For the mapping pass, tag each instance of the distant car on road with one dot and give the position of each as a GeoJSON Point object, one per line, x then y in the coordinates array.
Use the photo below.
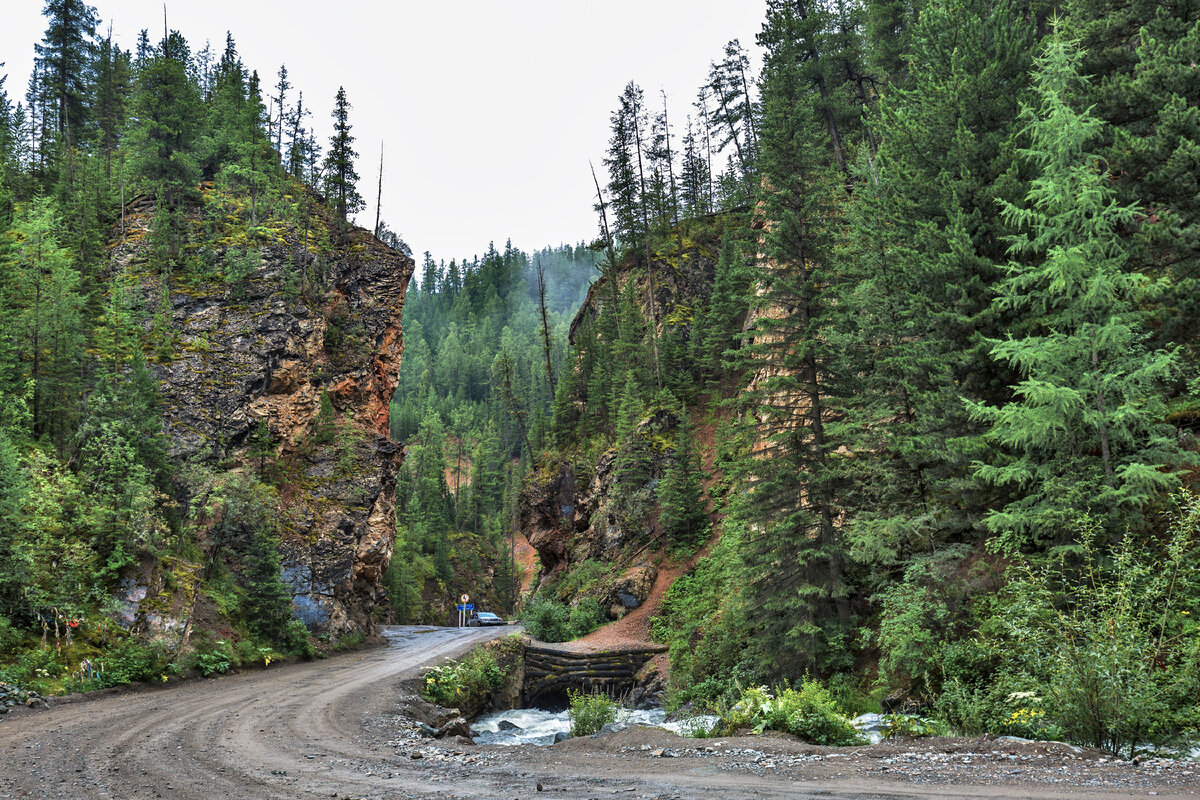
{"type": "Point", "coordinates": [479, 619]}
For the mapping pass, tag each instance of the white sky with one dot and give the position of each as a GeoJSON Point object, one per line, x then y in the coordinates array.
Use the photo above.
{"type": "Point", "coordinates": [489, 109]}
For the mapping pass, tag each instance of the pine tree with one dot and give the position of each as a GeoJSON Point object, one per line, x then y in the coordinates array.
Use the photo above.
{"type": "Point", "coordinates": [113, 87]}
{"type": "Point", "coordinates": [1142, 57]}
{"type": "Point", "coordinates": [733, 111]}
{"type": "Point", "coordinates": [65, 58]}
{"type": "Point", "coordinates": [1084, 430]}
{"type": "Point", "coordinates": [267, 604]}
{"type": "Point", "coordinates": [680, 493]}
{"type": "Point", "coordinates": [167, 107]}
{"type": "Point", "coordinates": [795, 562]}
{"type": "Point", "coordinates": [341, 179]}
{"type": "Point", "coordinates": [623, 186]}
{"type": "Point", "coordinates": [630, 494]}
{"type": "Point", "coordinates": [915, 306]}
{"type": "Point", "coordinates": [280, 101]}
{"type": "Point", "coordinates": [49, 325]}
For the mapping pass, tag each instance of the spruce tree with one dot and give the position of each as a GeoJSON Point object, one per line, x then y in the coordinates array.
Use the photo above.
{"type": "Point", "coordinates": [680, 493]}
{"type": "Point", "coordinates": [49, 325]}
{"type": "Point", "coordinates": [1084, 430]}
{"type": "Point", "coordinates": [167, 107]}
{"type": "Point", "coordinates": [267, 604]}
{"type": "Point", "coordinates": [341, 179]}
{"type": "Point", "coordinates": [795, 563]}
{"type": "Point", "coordinates": [915, 306]}
{"type": "Point", "coordinates": [630, 496]}
{"type": "Point", "coordinates": [65, 57]}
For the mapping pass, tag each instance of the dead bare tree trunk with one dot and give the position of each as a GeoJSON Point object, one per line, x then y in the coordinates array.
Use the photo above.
{"type": "Point", "coordinates": [379, 195]}
{"type": "Point", "coordinates": [541, 278]}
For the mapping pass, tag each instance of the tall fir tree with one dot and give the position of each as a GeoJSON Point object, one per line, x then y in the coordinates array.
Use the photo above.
{"type": "Point", "coordinates": [66, 60]}
{"type": "Point", "coordinates": [1084, 430]}
{"type": "Point", "coordinates": [341, 179]}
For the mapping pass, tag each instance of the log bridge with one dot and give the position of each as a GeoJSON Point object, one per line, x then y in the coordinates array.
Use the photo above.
{"type": "Point", "coordinates": [550, 671]}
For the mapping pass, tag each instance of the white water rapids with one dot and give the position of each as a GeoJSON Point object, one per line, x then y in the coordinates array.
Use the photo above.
{"type": "Point", "coordinates": [535, 726]}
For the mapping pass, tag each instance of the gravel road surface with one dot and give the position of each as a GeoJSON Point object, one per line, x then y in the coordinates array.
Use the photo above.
{"type": "Point", "coordinates": [331, 729]}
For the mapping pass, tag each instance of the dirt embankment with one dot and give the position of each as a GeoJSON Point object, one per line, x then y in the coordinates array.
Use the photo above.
{"type": "Point", "coordinates": [333, 728]}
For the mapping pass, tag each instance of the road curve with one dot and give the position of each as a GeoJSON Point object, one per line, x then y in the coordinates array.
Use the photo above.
{"type": "Point", "coordinates": [325, 729]}
{"type": "Point", "coordinates": [268, 734]}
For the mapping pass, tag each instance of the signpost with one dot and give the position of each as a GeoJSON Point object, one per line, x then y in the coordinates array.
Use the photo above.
{"type": "Point", "coordinates": [464, 605]}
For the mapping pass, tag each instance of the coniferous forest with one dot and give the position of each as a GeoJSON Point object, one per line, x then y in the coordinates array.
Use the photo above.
{"type": "Point", "coordinates": [896, 339]}
{"type": "Point", "coordinates": [886, 349]}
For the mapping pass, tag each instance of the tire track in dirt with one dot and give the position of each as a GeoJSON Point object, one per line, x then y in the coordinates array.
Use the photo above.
{"type": "Point", "coordinates": [299, 732]}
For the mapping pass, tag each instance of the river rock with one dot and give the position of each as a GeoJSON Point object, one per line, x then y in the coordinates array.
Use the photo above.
{"type": "Point", "coordinates": [455, 727]}
{"type": "Point", "coordinates": [505, 725]}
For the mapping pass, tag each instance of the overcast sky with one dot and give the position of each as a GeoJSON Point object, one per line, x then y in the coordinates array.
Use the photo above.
{"type": "Point", "coordinates": [489, 109]}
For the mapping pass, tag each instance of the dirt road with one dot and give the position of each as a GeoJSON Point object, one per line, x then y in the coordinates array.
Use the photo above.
{"type": "Point", "coordinates": [329, 729]}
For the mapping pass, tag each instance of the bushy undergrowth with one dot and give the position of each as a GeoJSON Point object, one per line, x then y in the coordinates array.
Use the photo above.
{"type": "Point", "coordinates": [586, 615]}
{"type": "Point", "coordinates": [552, 621]}
{"type": "Point", "coordinates": [463, 682]}
{"type": "Point", "coordinates": [590, 712]}
{"type": "Point", "coordinates": [808, 712]}
{"type": "Point", "coordinates": [547, 620]}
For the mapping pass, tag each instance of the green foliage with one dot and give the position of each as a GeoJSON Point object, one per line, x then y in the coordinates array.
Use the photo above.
{"type": "Point", "coordinates": [681, 496]}
{"type": "Point", "coordinates": [699, 619]}
{"type": "Point", "coordinates": [808, 712]}
{"type": "Point", "coordinates": [324, 426]}
{"type": "Point", "coordinates": [1107, 634]}
{"type": "Point", "coordinates": [131, 661]}
{"type": "Point", "coordinates": [297, 640]}
{"type": "Point", "coordinates": [267, 606]}
{"type": "Point", "coordinates": [341, 179]}
{"type": "Point", "coordinates": [167, 107]}
{"type": "Point", "coordinates": [10, 637]}
{"type": "Point", "coordinates": [465, 682]}
{"type": "Point", "coordinates": [590, 712]}
{"type": "Point", "coordinates": [240, 264]}
{"type": "Point", "coordinates": [913, 726]}
{"type": "Point", "coordinates": [1085, 428]}
{"type": "Point", "coordinates": [587, 614]}
{"type": "Point", "coordinates": [39, 668]}
{"type": "Point", "coordinates": [211, 656]}
{"type": "Point", "coordinates": [546, 619]}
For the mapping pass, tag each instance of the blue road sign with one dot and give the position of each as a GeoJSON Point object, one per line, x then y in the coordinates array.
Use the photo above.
{"type": "Point", "coordinates": [466, 606]}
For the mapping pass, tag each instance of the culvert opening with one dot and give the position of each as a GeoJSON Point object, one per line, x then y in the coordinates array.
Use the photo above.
{"type": "Point", "coordinates": [549, 674]}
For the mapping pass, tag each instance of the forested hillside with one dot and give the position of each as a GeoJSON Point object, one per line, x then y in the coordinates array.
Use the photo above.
{"type": "Point", "coordinates": [927, 283]}
{"type": "Point", "coordinates": [484, 346]}
{"type": "Point", "coordinates": [197, 352]}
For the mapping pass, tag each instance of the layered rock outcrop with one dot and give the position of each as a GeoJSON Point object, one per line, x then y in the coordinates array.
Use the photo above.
{"type": "Point", "coordinates": [265, 343]}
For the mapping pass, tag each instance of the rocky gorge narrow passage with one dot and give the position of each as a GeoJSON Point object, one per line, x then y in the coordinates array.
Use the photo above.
{"type": "Point", "coordinates": [330, 729]}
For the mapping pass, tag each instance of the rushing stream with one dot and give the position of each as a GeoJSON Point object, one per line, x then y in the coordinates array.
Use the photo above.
{"type": "Point", "coordinates": [535, 726]}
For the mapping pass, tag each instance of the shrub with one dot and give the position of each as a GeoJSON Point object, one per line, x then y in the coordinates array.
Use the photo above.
{"type": "Point", "coordinates": [36, 669]}
{"type": "Point", "coordinates": [808, 712]}
{"type": "Point", "coordinates": [297, 640]}
{"type": "Point", "coordinates": [130, 661]}
{"type": "Point", "coordinates": [586, 616]}
{"type": "Point", "coordinates": [590, 712]}
{"type": "Point", "coordinates": [547, 620]}
{"type": "Point", "coordinates": [1105, 634]}
{"type": "Point", "coordinates": [464, 682]}
{"type": "Point", "coordinates": [913, 725]}
{"type": "Point", "coordinates": [10, 637]}
{"type": "Point", "coordinates": [212, 657]}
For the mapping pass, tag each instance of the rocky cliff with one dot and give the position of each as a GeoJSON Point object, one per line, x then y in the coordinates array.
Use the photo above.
{"type": "Point", "coordinates": [257, 331]}
{"type": "Point", "coordinates": [565, 507]}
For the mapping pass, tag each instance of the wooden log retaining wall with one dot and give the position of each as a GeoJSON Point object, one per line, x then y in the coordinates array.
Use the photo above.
{"type": "Point", "coordinates": [550, 671]}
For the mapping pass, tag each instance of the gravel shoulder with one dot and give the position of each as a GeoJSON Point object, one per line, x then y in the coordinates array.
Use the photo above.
{"type": "Point", "coordinates": [333, 729]}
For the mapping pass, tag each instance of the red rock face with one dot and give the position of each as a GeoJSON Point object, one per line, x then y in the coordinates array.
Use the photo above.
{"type": "Point", "coordinates": [260, 350]}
